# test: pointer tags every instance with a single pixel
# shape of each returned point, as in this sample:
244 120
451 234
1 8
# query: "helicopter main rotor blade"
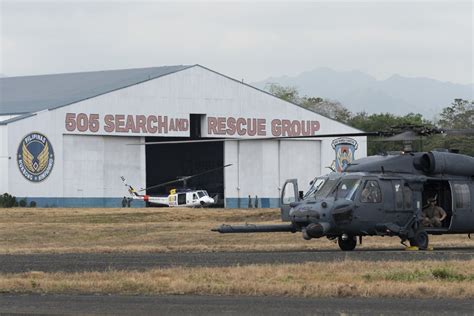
162 184
207 171
259 138
182 179
458 132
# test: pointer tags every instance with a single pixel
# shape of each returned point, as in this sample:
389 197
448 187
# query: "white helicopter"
182 197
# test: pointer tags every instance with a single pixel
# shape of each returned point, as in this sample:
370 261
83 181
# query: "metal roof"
29 94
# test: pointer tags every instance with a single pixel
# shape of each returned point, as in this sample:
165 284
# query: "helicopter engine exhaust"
440 162
315 230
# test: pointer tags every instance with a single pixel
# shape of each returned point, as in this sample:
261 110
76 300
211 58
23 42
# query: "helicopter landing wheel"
347 244
420 240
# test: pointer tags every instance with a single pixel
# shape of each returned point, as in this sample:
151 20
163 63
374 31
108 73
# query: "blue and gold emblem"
345 151
35 157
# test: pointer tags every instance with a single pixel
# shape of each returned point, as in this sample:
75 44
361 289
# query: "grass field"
36 230
25 230
422 279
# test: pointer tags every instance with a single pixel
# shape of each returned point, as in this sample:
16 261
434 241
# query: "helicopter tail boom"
250 228
131 190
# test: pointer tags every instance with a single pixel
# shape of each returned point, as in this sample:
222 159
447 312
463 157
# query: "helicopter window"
325 188
347 188
315 186
398 191
200 193
371 192
181 198
195 197
289 193
462 196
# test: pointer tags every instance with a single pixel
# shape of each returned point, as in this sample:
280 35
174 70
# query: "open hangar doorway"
168 162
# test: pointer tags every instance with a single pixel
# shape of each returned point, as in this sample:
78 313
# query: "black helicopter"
382 195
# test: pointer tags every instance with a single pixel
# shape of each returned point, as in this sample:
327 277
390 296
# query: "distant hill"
361 92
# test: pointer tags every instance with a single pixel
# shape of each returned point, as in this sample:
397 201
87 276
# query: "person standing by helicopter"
433 215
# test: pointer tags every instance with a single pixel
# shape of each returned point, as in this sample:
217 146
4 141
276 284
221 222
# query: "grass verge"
423 279
55 230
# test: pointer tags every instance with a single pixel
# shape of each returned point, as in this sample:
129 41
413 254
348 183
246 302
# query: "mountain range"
359 91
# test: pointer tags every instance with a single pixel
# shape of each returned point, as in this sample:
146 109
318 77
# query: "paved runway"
218 305
144 261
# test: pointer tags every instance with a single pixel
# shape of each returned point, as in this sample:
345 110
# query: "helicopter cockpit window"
346 188
371 192
195 197
316 185
200 193
326 188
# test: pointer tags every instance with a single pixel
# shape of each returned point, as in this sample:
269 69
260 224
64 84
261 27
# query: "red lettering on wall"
212 125
261 127
151 124
141 124
276 127
221 126
241 130
109 123
231 126
163 124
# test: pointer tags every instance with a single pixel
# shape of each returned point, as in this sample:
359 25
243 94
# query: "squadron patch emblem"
35 157
345 151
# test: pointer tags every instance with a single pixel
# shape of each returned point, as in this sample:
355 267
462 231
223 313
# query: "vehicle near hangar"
381 195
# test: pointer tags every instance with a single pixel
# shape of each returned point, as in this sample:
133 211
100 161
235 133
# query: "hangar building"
66 139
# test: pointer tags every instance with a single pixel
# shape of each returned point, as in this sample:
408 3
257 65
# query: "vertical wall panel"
93 165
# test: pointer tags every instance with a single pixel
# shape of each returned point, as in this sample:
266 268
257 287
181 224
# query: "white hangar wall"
93 164
90 139
4 159
261 167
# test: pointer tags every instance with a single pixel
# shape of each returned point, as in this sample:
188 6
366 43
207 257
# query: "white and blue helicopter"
177 197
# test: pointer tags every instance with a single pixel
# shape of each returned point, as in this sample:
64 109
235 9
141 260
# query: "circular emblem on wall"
35 157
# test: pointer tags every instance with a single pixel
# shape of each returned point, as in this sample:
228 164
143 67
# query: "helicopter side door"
289 195
369 202
462 216
181 198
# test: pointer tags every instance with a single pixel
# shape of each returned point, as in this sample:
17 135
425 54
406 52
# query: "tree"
384 122
328 108
459 115
332 109
289 94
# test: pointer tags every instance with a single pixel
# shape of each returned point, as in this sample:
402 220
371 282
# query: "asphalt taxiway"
219 305
17 263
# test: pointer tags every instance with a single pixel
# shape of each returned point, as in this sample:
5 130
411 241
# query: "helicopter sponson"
383 195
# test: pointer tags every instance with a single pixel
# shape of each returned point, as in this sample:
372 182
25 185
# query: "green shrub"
448 274
32 204
22 203
7 200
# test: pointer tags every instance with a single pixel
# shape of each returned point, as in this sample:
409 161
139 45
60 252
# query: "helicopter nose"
315 230
304 215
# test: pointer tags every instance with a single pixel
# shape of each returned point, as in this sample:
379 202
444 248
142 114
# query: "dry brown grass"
24 230
423 279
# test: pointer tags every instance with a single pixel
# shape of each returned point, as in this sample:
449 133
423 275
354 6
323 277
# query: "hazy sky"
241 39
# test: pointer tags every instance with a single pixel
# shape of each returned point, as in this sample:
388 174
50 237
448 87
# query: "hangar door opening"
168 162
